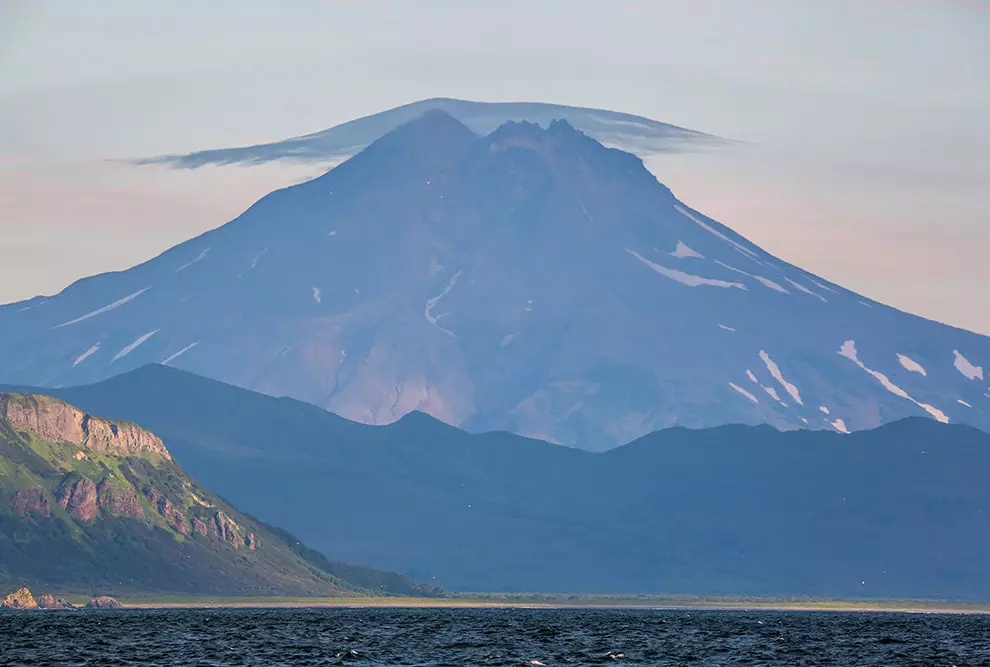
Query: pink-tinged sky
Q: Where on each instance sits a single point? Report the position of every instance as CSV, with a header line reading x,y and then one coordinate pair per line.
x,y
865,123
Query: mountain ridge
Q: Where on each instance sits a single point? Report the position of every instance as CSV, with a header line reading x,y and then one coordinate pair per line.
x,y
531,280
730,510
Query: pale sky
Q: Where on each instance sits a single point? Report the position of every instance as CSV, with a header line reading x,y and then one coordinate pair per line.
x,y
865,123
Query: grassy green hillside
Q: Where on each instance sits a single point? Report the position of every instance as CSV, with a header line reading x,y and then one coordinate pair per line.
x,y
88,504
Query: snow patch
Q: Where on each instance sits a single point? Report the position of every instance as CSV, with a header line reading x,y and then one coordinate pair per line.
x,y
178,354
682,250
773,394
317,295
963,365
751,376
722,326
254,262
848,350
105,309
85,355
508,339
744,392
334,232
863,303
823,409
704,225
839,426
962,402
778,376
772,285
35,305
431,303
910,364
802,288
200,257
818,284
765,281
682,277
133,346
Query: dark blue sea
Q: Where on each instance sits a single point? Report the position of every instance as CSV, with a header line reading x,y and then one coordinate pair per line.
x,y
490,637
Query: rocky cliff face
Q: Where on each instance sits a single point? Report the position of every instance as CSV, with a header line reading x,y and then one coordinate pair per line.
x,y
55,421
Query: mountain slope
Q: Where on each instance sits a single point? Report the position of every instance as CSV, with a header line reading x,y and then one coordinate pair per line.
x,y
93,504
895,512
531,280
633,133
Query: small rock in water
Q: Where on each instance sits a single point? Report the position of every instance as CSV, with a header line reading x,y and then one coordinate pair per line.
x,y
21,599
103,602
49,601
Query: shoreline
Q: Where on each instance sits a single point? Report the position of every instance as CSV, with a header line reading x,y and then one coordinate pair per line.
x,y
844,606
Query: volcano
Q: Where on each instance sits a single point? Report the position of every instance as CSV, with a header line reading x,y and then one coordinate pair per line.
x,y
529,280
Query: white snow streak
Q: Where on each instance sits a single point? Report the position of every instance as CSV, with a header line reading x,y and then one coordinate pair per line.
x,y
85,355
430,303
775,372
772,285
823,409
133,346
963,365
840,426
818,284
333,233
200,257
765,281
105,309
704,225
254,262
962,402
910,364
508,339
773,394
863,303
35,305
178,354
752,377
804,289
744,392
317,295
682,250
848,350
722,326
682,277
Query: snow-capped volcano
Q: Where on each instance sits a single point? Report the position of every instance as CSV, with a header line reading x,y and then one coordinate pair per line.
x,y
530,280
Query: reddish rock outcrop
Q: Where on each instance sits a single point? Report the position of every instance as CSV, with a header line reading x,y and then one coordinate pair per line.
x,y
78,497
32,500
199,527
56,421
173,515
251,542
120,501
226,529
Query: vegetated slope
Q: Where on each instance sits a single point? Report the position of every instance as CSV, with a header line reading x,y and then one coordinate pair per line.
x,y
89,504
531,280
900,511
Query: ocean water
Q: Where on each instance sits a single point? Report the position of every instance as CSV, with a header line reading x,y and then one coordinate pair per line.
x,y
490,637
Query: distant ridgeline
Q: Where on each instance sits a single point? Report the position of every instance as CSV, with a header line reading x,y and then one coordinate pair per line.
x,y
902,511
89,503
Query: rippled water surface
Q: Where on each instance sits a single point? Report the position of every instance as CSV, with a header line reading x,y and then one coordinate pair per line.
x,y
489,637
